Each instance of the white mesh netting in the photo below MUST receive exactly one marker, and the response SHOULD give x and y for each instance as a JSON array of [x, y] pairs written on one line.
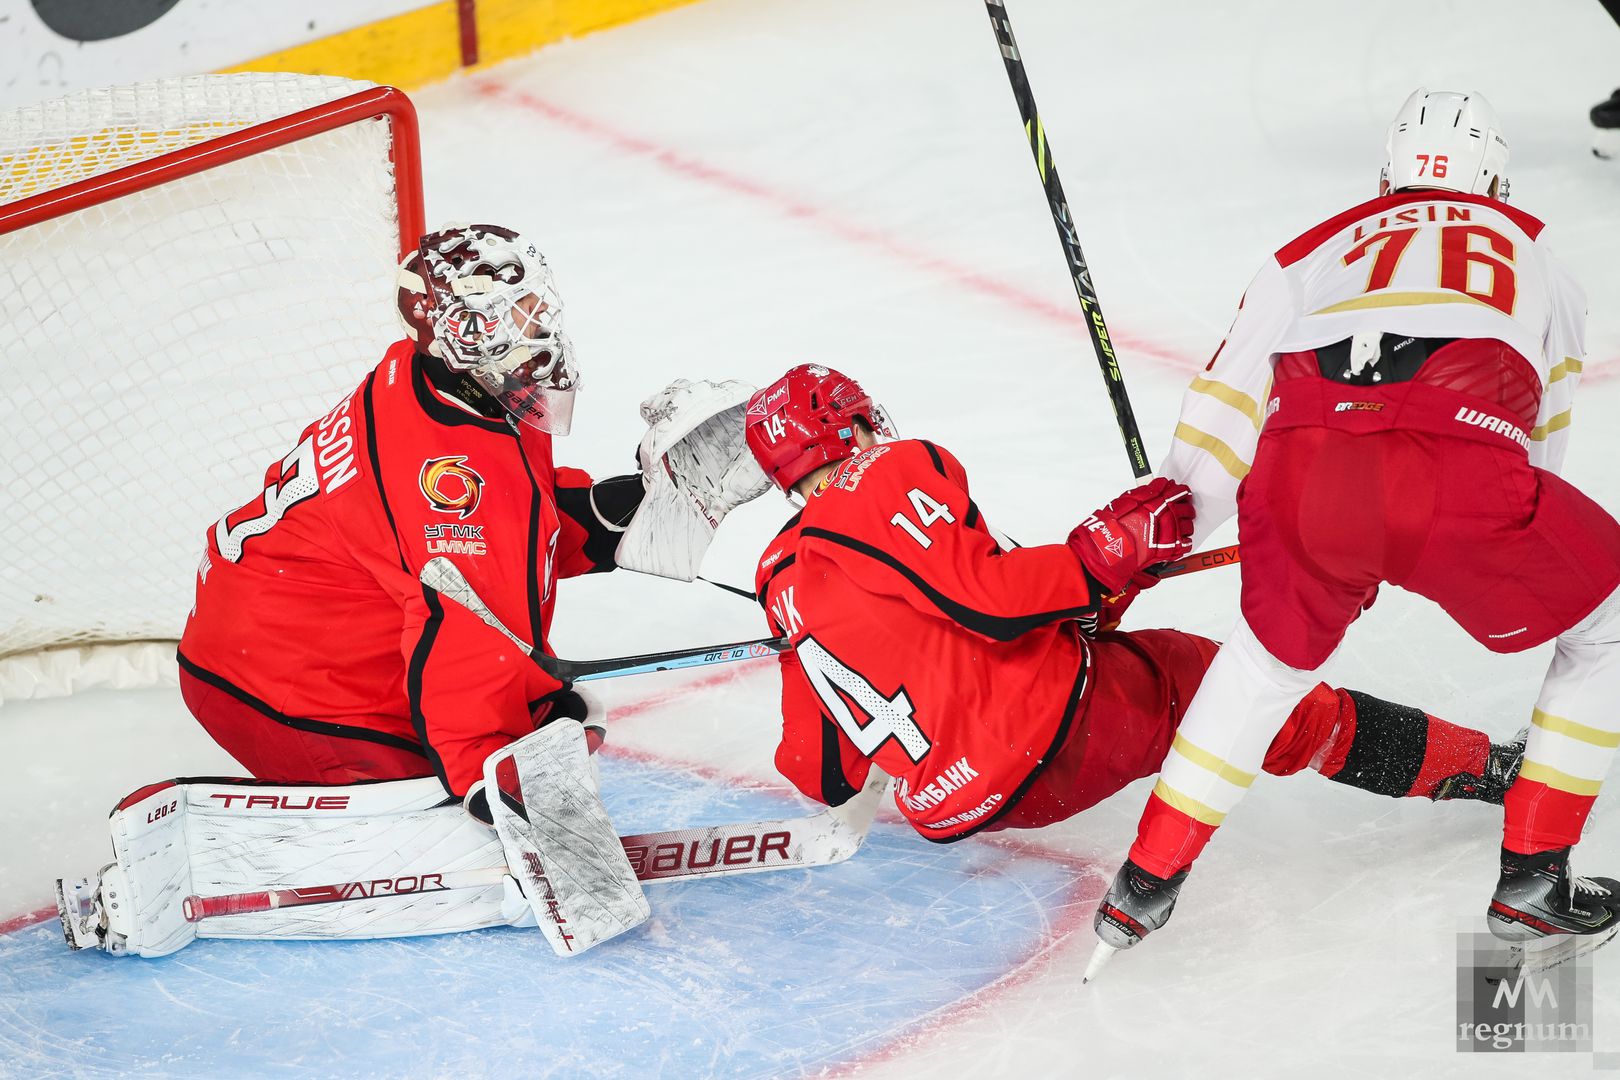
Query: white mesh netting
[[163, 348]]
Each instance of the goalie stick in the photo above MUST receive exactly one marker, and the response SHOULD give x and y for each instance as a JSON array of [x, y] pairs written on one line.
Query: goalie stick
[[1079, 271], [445, 578], [442, 576], [821, 839]]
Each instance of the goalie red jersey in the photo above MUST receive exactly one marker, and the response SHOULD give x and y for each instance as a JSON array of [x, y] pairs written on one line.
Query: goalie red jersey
[[313, 653], [903, 591]]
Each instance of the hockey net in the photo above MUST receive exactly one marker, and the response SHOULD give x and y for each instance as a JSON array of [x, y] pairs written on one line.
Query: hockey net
[[190, 271]]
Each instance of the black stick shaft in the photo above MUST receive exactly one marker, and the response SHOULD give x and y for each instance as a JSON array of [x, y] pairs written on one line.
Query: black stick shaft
[[671, 660], [1063, 220]]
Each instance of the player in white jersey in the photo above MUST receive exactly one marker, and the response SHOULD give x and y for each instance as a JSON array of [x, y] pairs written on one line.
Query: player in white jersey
[[1392, 404]]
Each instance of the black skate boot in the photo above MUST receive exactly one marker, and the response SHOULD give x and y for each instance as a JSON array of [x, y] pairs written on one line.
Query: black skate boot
[[1606, 118], [1136, 904], [1501, 769], [1552, 914]]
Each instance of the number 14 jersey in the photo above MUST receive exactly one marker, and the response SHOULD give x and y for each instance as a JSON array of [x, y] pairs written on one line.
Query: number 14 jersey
[[919, 644]]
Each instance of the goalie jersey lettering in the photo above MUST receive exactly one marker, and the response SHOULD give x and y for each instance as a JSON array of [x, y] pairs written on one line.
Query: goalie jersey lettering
[[308, 606], [919, 645]]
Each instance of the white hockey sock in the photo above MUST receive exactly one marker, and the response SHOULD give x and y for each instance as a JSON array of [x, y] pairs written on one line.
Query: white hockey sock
[[1574, 731], [1244, 700]]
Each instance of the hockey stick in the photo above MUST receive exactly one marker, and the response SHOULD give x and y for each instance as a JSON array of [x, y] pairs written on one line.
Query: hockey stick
[[1199, 560], [443, 577], [1063, 220], [823, 839], [744, 593]]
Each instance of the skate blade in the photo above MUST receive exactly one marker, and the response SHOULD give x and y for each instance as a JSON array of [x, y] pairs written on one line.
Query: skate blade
[[1543, 954], [1099, 960]]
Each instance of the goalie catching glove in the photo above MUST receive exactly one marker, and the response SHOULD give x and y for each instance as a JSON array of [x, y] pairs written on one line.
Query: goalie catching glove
[[696, 469]]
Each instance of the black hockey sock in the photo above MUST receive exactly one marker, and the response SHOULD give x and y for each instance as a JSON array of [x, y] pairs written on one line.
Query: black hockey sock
[[1386, 754], [1400, 751]]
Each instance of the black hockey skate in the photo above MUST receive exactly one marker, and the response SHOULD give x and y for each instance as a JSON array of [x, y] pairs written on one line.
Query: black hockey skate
[[1501, 769], [1550, 912], [1136, 904], [1606, 118]]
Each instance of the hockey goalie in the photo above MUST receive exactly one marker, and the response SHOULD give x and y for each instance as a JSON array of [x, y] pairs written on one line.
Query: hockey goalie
[[398, 742]]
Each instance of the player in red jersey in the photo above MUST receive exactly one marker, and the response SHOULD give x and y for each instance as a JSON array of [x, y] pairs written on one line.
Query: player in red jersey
[[974, 674], [1422, 350], [313, 653]]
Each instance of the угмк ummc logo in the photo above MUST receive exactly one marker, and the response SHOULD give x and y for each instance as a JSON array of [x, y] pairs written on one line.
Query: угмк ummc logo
[[451, 486]]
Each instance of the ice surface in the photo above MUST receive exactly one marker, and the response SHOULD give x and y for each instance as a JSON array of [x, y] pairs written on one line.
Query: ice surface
[[734, 187], [750, 975]]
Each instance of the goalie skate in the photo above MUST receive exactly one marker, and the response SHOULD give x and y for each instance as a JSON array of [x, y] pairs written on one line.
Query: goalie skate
[[88, 911]]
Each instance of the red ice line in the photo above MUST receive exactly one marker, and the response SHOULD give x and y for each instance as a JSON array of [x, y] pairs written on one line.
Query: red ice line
[[823, 219], [795, 208]]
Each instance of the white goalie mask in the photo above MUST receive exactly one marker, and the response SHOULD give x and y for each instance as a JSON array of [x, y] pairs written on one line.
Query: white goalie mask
[[1448, 140], [482, 299]]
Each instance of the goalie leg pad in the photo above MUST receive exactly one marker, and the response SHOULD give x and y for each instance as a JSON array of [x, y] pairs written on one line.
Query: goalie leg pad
[[379, 849], [560, 844]]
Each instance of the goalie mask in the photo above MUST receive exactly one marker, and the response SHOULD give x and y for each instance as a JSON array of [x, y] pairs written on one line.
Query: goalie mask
[[806, 419], [481, 299]]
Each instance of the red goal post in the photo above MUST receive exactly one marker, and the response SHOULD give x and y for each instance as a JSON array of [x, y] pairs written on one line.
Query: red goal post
[[377, 103], [190, 271]]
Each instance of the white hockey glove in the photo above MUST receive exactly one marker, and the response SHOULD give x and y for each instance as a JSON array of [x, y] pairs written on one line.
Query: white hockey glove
[[697, 468]]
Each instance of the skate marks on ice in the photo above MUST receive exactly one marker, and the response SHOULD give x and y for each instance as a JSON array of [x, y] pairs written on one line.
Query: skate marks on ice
[[766, 975]]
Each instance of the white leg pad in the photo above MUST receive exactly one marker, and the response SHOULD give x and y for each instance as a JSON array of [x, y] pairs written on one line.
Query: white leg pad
[[560, 844], [377, 841]]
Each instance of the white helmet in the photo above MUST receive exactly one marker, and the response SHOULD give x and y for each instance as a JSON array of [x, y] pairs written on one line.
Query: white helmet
[[482, 299], [1450, 140]]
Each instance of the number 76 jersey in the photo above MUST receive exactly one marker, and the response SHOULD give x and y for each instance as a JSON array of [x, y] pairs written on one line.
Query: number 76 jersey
[[919, 644], [1419, 264]]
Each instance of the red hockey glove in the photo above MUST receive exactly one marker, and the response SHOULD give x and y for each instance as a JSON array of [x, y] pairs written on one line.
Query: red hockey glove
[[1146, 525]]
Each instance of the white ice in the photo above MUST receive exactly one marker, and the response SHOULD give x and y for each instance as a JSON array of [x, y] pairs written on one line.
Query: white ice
[[734, 187]]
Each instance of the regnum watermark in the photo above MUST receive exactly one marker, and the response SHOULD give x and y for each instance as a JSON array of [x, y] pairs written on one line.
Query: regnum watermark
[[1504, 1009]]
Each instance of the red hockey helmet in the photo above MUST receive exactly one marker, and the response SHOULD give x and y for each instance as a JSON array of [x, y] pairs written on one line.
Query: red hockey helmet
[[806, 419]]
